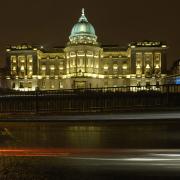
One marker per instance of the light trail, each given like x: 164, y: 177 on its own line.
x: 138, y: 160
x: 126, y: 154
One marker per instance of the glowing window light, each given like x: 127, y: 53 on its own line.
x: 22, y: 68
x: 124, y: 66
x: 22, y: 60
x: 164, y: 46
x: 147, y: 66
x: 157, y: 66
x: 14, y: 68
x: 96, y: 56
x: 105, y: 67
x: 72, y: 54
x: 52, y: 68
x: 138, y: 66
x: 43, y: 68
x: 30, y: 68
x: 61, y: 68
x: 115, y: 66
x: 80, y: 53
x: 13, y: 58
x: 52, y: 86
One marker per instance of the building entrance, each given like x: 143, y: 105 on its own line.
x: 80, y: 84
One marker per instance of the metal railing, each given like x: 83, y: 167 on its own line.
x: 90, y: 100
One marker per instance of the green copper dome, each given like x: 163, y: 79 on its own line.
x: 83, y: 30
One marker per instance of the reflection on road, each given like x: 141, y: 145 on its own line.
x: 114, y: 158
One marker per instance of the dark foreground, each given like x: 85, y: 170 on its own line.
x: 126, y: 149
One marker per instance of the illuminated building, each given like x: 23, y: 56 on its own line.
x: 84, y: 63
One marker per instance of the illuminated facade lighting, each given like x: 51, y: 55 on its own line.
x: 84, y: 62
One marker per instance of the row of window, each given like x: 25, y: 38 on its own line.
x: 22, y: 59
x: 43, y: 85
x: 52, y: 67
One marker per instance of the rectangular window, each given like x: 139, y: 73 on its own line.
x: 139, y: 63
x: 157, y: 59
x: 60, y: 85
x: 29, y: 84
x: 52, y: 85
x: 43, y: 84
x: 21, y: 59
x: 29, y: 58
x: 13, y: 59
x: 21, y: 85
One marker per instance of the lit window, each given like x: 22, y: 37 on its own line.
x: 22, y: 68
x: 138, y: 66
x: 13, y: 59
x: 157, y: 66
x: 30, y: 68
x: 29, y: 58
x: 105, y: 67
x: 60, y: 85
x: 43, y: 68
x: 115, y: 66
x: 72, y: 54
x: 147, y: 66
x: 43, y: 84
x: 89, y: 54
x: 81, y: 53
x: 21, y: 59
x: 52, y: 67
x: 52, y: 85
x: 124, y: 66
x: 61, y: 68
x: 14, y: 68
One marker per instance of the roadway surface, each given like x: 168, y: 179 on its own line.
x: 97, y: 117
x: 137, y: 162
x: 129, y: 145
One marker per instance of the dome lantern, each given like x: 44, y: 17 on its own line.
x: 83, y: 31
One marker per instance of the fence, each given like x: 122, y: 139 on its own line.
x: 90, y: 100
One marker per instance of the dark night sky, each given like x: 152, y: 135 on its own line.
x: 49, y: 22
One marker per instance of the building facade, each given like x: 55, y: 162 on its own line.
x: 84, y: 63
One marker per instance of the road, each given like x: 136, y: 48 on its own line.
x: 97, y: 117
x: 157, y: 162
